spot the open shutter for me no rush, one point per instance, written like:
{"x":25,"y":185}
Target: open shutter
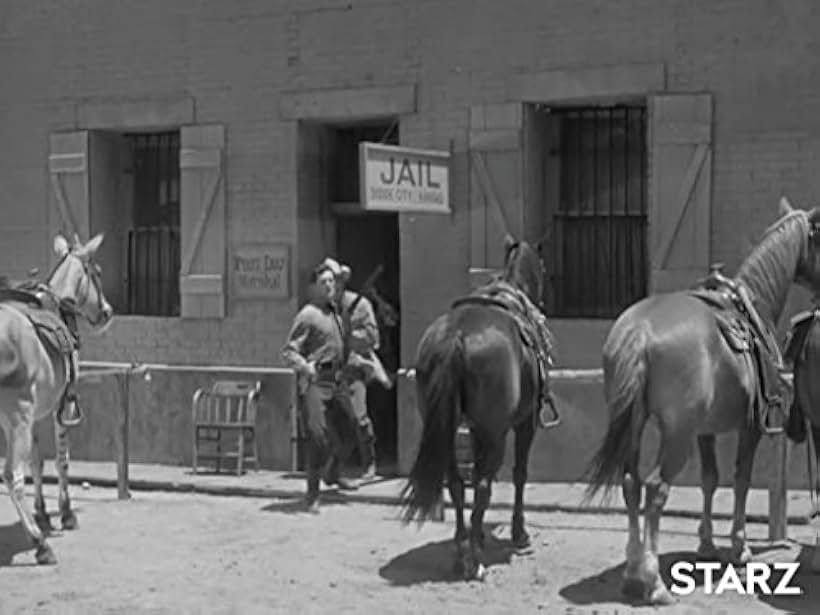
{"x":496,"y":190}
{"x":681,"y":189}
{"x":69,"y":175}
{"x":202,"y":221}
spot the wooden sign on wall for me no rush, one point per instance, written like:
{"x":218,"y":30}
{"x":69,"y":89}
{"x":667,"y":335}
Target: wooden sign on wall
{"x":261,"y":271}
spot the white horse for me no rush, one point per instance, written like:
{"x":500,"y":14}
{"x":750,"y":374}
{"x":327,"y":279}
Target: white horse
{"x":34,"y":378}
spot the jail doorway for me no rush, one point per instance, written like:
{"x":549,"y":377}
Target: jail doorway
{"x":366,"y":242}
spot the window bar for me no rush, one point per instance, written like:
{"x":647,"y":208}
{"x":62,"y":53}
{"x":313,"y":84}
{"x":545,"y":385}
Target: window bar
{"x":643,"y":195}
{"x":560,"y":299}
{"x":578,"y":238}
{"x":577,"y":244}
{"x":592,"y":229}
{"x":610,"y":257}
{"x":628,"y":284}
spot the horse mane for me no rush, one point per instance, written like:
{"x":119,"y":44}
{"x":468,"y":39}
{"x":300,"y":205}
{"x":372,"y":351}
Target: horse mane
{"x":769,"y":269}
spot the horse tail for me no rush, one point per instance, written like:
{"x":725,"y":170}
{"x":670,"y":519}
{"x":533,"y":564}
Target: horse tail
{"x":439,"y":399}
{"x":626,"y":354}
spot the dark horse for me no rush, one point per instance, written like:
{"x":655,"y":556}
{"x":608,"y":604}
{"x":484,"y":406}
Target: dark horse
{"x":472,"y":365}
{"x":666,"y":359}
{"x":804,"y":352}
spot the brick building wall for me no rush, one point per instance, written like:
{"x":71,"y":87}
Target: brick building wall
{"x":236,"y":61}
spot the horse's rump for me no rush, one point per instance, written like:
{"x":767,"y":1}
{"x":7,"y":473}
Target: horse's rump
{"x":26,"y":331}
{"x":525,"y":325}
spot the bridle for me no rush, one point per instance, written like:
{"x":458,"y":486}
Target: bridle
{"x":83,"y":290}
{"x":511,"y":253}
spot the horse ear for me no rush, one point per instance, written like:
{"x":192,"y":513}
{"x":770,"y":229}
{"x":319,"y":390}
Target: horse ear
{"x":60,"y":246}
{"x":93,"y":244}
{"x":784,"y":207}
{"x":509,"y":242}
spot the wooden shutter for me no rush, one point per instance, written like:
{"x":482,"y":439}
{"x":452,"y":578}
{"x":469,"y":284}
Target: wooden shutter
{"x":69,"y":174}
{"x":496,"y":190}
{"x":202,"y":221}
{"x":681,"y":189}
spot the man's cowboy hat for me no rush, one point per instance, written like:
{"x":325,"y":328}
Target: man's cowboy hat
{"x":341,"y":272}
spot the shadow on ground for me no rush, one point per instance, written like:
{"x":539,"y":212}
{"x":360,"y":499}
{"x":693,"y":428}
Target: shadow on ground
{"x":809,"y":582}
{"x":433,"y":562}
{"x":13,"y":540}
{"x":296,"y":505}
{"x":605,"y":587}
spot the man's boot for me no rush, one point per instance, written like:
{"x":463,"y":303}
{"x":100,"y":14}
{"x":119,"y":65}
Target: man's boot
{"x":312,"y":495}
{"x":331,"y":474}
{"x":369,"y":457}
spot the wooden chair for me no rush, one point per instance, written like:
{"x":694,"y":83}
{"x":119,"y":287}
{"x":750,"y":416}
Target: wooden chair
{"x":228,"y":406}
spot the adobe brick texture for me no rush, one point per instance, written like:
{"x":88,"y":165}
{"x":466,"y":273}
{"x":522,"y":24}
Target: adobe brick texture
{"x":759,"y":59}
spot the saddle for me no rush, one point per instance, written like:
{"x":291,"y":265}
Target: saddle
{"x":532,"y":327}
{"x":56,"y":326}
{"x":748,"y":335}
{"x":50,"y":321}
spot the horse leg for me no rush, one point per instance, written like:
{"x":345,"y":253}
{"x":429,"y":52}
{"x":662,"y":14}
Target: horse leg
{"x":18,"y":451}
{"x":632,"y":582}
{"x":524,"y":435}
{"x":671,"y":459}
{"x":40,"y":514}
{"x":455,"y":484}
{"x":746,"y":447}
{"x":708,"y":485}
{"x":488,"y":459}
{"x":67,"y":516}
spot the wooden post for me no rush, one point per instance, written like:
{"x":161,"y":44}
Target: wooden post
{"x":123,"y":379}
{"x":778,"y":488}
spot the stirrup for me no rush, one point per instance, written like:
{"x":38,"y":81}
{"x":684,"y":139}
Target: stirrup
{"x":69,"y":419}
{"x":542,"y":421}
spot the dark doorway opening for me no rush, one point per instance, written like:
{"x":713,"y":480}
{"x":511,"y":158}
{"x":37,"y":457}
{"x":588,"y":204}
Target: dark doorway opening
{"x":365,"y":242}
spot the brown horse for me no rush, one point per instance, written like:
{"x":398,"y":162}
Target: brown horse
{"x":471,"y":365}
{"x":33,"y":380}
{"x":666,"y":359}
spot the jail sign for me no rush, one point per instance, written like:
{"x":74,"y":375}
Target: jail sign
{"x":261,"y":271}
{"x":403,"y":179}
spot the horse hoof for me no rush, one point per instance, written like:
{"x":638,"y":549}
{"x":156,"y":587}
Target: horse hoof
{"x":708,"y":551}
{"x":633,"y":588}
{"x":742,"y":556}
{"x":45,"y":556}
{"x":480,"y":573}
{"x":521,"y":540}
{"x":660,"y":596}
{"x":70,"y":522}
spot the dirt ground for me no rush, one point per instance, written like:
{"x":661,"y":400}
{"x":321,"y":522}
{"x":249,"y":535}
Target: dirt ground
{"x":181,"y":553}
